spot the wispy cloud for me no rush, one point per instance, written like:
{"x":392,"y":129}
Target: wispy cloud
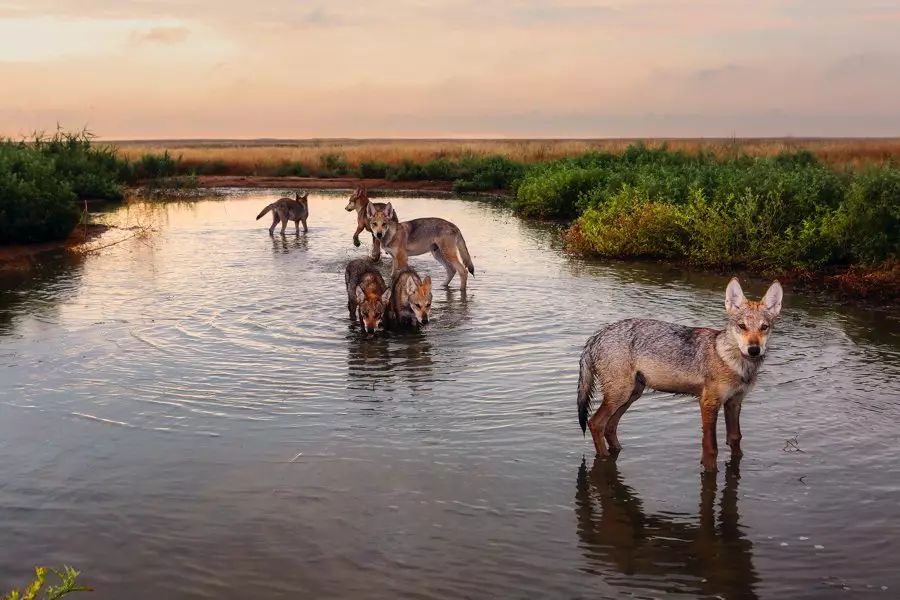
{"x":517,"y":67}
{"x":160,"y":35}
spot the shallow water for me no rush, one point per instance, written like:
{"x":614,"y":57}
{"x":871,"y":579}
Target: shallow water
{"x":193,"y":415}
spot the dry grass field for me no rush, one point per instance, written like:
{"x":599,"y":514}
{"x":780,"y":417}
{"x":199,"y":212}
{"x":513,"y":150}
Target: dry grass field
{"x":266,"y":157}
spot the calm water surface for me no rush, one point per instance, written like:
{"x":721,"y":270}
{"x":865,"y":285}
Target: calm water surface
{"x":193,"y":415}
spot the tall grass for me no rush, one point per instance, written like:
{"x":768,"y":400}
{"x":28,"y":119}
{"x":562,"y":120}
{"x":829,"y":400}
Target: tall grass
{"x":788,"y":211}
{"x":266,"y":157}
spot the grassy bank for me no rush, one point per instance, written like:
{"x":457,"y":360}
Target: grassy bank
{"x":787,"y":213}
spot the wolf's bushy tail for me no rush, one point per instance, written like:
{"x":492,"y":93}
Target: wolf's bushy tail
{"x":264,"y":211}
{"x":585,"y":385}
{"x":464,"y":252}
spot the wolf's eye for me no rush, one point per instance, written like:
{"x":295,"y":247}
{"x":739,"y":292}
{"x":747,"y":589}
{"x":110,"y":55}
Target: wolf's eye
{"x":743,"y":327}
{"x":419,"y":306}
{"x":763,"y":327}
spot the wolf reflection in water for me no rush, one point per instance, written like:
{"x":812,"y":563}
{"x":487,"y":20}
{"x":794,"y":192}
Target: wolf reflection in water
{"x":705,"y":555}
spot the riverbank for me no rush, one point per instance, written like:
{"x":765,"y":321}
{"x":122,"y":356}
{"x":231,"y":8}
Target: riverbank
{"x":21,"y":257}
{"x":712,"y":205}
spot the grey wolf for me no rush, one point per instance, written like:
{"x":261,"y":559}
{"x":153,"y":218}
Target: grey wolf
{"x":418,"y":236}
{"x":358,"y":202}
{"x":719,"y":366}
{"x":411,"y":299}
{"x":367,"y":295}
{"x":294,"y":209}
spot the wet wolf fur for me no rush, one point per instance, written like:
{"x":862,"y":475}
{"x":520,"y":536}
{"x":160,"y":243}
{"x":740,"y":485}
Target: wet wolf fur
{"x":367,"y":294}
{"x":719,"y":366}
{"x":418,"y":236}
{"x":294,"y":209}
{"x":410,"y":303}
{"x":358,"y":202}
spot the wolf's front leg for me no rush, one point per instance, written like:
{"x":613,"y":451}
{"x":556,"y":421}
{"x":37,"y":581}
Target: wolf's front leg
{"x":733,"y":426}
{"x":709,"y":412}
{"x":376,"y":249}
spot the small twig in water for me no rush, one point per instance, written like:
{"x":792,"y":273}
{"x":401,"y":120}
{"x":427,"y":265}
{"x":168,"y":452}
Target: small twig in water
{"x":792,"y":444}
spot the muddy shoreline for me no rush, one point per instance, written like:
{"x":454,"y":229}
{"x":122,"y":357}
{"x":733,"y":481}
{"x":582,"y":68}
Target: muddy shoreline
{"x":20,"y":257}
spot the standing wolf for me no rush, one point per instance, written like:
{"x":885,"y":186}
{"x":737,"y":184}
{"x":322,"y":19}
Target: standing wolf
{"x":359,"y":201}
{"x":719,"y":366}
{"x":418,"y":236}
{"x":294,"y":209}
{"x":367,"y":295}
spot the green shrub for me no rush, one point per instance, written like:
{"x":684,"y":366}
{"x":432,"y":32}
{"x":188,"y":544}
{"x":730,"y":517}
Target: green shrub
{"x":292,"y":169}
{"x":37,"y":203}
{"x":785,"y":212}
{"x":94,"y":172}
{"x":867,"y":225}
{"x":486,"y":174}
{"x":333,"y":165}
{"x":66,"y":586}
{"x":157,"y":166}
{"x":373,"y":170}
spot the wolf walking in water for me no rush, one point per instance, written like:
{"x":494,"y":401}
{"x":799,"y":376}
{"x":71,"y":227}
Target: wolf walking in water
{"x":359,"y":201}
{"x":367,"y":295}
{"x":418,"y":236}
{"x":294,"y":209}
{"x":719,"y":366}
{"x":410,"y":300}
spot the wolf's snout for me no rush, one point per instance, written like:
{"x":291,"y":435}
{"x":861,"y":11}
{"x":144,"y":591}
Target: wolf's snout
{"x":753,"y":350}
{"x":379,"y":235}
{"x":425,"y":320}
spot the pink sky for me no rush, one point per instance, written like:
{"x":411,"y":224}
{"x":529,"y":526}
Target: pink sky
{"x":453,"y":68}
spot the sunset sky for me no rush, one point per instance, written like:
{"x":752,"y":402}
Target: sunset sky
{"x":451,"y":68}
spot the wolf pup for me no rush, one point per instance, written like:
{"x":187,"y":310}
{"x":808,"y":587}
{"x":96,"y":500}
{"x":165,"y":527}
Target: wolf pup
{"x":358,"y":202}
{"x":367,"y":295}
{"x":294,"y":209}
{"x":718,"y":366}
{"x":411,"y":300}
{"x":418,"y":236}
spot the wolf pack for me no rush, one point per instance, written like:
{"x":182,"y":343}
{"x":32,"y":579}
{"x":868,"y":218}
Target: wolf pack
{"x":618,"y":362}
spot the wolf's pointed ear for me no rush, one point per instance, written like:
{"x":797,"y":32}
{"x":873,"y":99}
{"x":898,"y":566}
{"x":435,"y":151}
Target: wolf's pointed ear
{"x":386,"y":296}
{"x":370,"y":210}
{"x":410,"y":286}
{"x":426,"y":283}
{"x":388,"y":210}
{"x":773,"y":297}
{"x":360,"y":295}
{"x":734,"y":296}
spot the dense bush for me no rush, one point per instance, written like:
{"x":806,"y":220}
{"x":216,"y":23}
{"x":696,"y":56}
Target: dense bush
{"x":287,"y":169}
{"x":92,"y":171}
{"x":37,"y":203}
{"x":783,"y":212}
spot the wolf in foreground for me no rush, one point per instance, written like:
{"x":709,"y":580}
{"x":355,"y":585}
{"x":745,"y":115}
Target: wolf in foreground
{"x":719,"y":366}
